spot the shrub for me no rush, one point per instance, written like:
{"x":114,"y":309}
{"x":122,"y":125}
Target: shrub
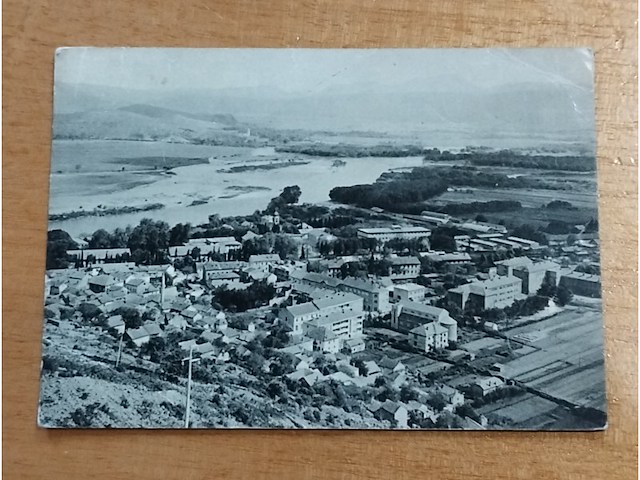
{"x":49,"y":364}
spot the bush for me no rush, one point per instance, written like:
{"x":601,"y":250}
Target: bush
{"x":89,"y":311}
{"x":49,"y":364}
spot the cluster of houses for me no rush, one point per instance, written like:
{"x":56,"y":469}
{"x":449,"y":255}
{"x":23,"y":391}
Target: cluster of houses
{"x":163,"y":308}
{"x":323,"y":312}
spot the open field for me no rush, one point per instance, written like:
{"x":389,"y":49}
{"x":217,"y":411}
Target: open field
{"x":568,"y":362}
{"x":528,"y":411}
{"x":531,"y":198}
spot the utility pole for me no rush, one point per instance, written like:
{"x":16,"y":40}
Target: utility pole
{"x":191,"y":361}
{"x":119,"y":349}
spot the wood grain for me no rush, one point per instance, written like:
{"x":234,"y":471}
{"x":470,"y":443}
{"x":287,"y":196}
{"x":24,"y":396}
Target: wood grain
{"x":34,"y":28}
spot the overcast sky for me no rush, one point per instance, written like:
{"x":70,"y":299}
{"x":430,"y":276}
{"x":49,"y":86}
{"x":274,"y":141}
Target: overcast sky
{"x":312,"y":70}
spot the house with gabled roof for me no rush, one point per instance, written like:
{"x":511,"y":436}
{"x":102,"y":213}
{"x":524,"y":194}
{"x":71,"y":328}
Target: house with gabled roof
{"x":153,"y":329}
{"x":115,"y":322}
{"x":139,"y":336}
{"x":429,"y":337}
{"x":393,"y":412}
{"x":99,"y":283}
{"x":191,"y":314}
{"x":372,"y":368}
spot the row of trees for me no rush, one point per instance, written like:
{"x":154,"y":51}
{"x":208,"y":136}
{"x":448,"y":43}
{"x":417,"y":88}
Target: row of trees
{"x":509,"y":158}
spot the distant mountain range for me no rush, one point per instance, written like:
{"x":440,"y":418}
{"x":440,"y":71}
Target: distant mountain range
{"x":145,"y":122}
{"x":555,"y":111}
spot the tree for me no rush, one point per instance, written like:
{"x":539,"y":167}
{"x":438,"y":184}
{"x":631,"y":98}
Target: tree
{"x":255,"y":246}
{"x":89,"y":311}
{"x":291,"y":194}
{"x":277,"y":338}
{"x":155,"y":348}
{"x":275,"y":389}
{"x":437,"y":401}
{"x":407,"y":394}
{"x":592,"y":226}
{"x":100,"y":239}
{"x":58,"y":242}
{"x":528,"y":232}
{"x":257,"y":294}
{"x":285,"y":246}
{"x":442,"y":238}
{"x":548,"y":288}
{"x":130,"y":316}
{"x":179,"y":234}
{"x":448,"y":420}
{"x":563,"y":295}
{"x":149,"y":242}
{"x":360,"y":365}
{"x":288,"y":196}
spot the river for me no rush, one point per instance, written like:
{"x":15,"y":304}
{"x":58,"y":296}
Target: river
{"x":226,"y":194}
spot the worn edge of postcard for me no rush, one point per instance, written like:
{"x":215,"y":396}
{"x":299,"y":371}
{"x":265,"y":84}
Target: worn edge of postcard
{"x":348,"y":294}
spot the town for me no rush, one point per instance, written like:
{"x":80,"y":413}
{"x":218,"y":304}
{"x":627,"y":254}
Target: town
{"x":326,"y":317}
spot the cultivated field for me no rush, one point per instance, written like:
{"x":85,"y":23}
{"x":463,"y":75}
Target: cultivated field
{"x":568,"y":362}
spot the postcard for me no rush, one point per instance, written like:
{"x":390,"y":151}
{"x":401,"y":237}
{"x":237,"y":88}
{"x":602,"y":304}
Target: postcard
{"x":323,"y":239}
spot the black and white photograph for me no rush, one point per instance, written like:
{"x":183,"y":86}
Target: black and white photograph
{"x":323,"y":239}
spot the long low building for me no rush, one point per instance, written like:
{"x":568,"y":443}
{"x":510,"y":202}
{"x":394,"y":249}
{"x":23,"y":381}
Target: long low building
{"x":396,"y":231}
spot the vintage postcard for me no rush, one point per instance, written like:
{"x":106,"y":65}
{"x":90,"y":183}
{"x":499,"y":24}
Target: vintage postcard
{"x":291,"y":238}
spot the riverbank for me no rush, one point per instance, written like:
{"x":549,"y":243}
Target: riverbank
{"x":101,"y":212}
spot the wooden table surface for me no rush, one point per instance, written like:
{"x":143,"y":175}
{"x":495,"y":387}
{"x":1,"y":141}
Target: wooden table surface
{"x":34,"y":28}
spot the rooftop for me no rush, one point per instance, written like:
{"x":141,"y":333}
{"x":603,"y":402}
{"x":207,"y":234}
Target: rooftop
{"x":102,"y":280}
{"x":480,"y":287}
{"x":196,"y":241}
{"x":583,"y":276}
{"x":410,"y":287}
{"x":136,"y":333}
{"x":422,"y":308}
{"x":394,"y":229}
{"x":224,"y":265}
{"x":360,"y":284}
{"x":447,"y":257}
{"x":404,"y":261}
{"x":336,"y":300}
{"x":515,"y":262}
{"x":267,"y":257}
{"x":429,"y":329}
{"x":302,"y":309}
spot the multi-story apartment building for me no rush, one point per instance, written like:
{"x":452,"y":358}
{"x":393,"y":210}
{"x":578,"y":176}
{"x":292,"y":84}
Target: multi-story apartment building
{"x":339,"y":316}
{"x":404,"y":268}
{"x":496,"y":292}
{"x":532,"y":274}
